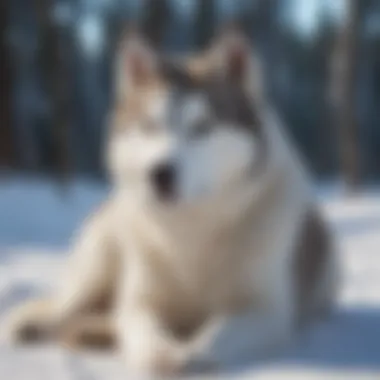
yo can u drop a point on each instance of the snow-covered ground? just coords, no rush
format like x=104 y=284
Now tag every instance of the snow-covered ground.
x=37 y=219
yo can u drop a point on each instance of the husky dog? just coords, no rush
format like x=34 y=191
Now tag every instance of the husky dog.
x=210 y=244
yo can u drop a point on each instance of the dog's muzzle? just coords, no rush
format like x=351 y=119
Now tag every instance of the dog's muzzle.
x=163 y=179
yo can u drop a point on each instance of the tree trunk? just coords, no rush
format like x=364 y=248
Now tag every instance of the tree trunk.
x=205 y=22
x=344 y=95
x=156 y=16
x=6 y=143
x=57 y=78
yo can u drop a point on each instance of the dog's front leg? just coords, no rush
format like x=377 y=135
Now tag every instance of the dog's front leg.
x=88 y=273
x=148 y=349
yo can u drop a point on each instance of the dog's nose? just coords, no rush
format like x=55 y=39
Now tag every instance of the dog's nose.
x=163 y=179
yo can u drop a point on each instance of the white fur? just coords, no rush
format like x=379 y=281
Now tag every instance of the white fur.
x=205 y=166
x=222 y=253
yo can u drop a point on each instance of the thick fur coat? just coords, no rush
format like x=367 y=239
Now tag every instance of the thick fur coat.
x=210 y=230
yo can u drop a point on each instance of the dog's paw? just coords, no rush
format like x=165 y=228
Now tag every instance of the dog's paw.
x=18 y=329
x=165 y=361
x=31 y=332
x=29 y=322
x=26 y=332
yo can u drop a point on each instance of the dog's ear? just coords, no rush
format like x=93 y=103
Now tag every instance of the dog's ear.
x=136 y=63
x=233 y=53
x=235 y=58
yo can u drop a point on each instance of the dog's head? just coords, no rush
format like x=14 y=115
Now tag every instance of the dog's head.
x=184 y=131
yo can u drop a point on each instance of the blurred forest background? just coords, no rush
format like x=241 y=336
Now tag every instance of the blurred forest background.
x=322 y=63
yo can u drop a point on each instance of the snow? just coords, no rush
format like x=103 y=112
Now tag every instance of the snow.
x=37 y=219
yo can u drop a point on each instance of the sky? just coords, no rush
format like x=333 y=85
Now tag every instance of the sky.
x=305 y=12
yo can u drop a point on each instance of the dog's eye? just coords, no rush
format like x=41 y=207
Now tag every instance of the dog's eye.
x=201 y=128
